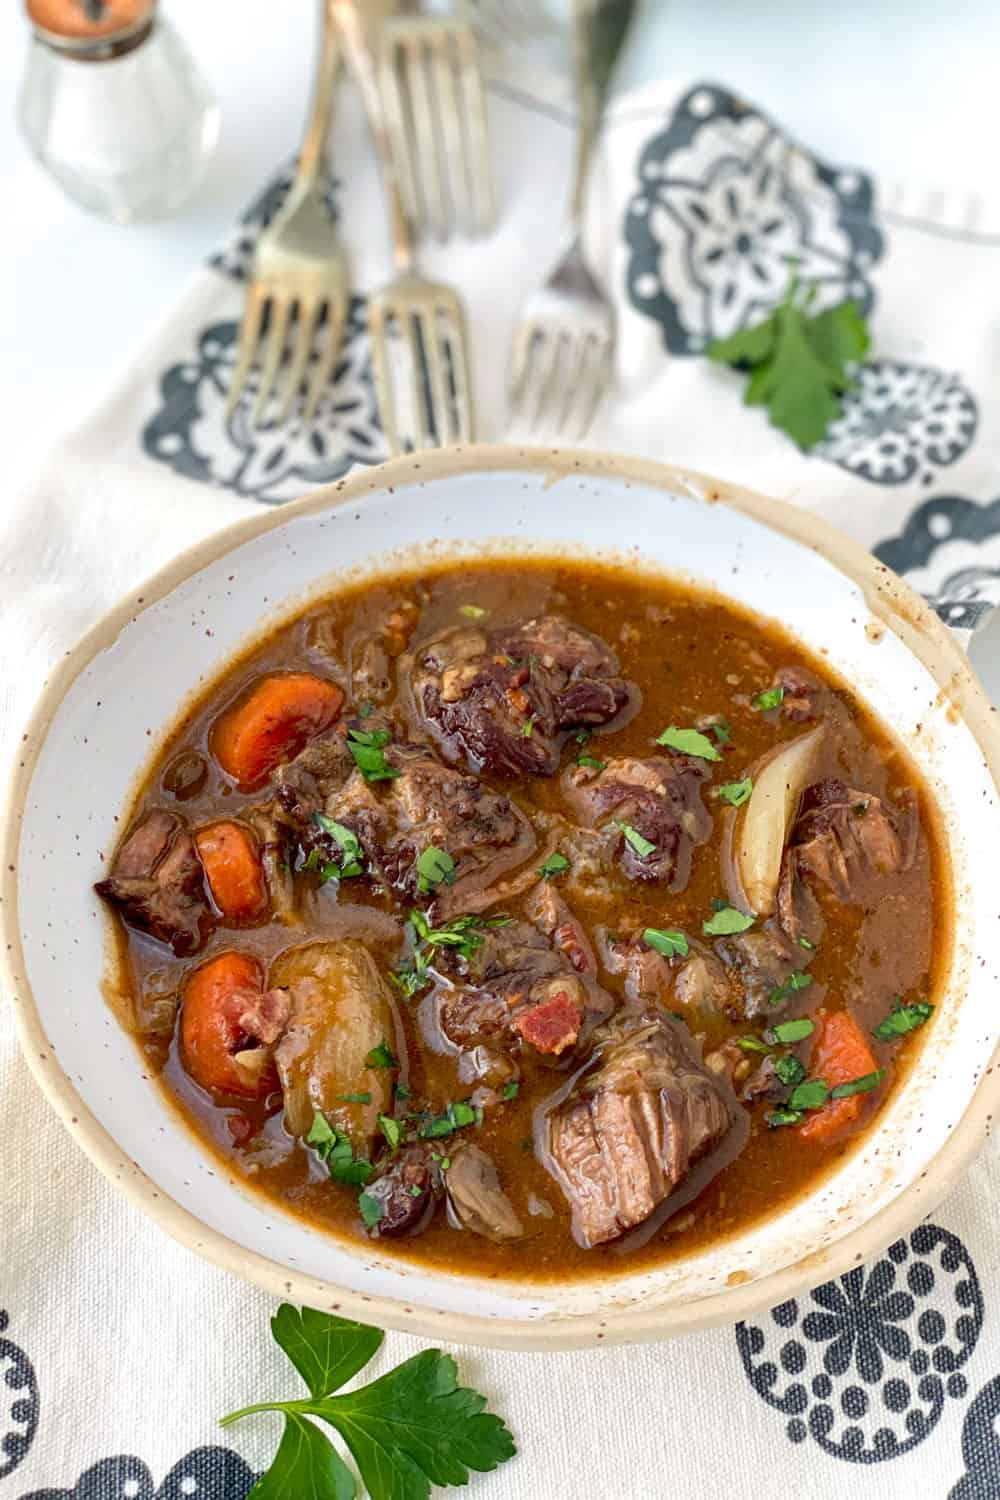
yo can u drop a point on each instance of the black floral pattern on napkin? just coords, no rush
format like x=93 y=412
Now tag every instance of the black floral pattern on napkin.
x=203 y=1474
x=18 y=1402
x=865 y=1365
x=949 y=550
x=902 y=422
x=981 y=1447
x=724 y=203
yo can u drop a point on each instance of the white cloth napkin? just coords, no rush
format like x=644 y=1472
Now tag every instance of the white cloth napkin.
x=118 y=1349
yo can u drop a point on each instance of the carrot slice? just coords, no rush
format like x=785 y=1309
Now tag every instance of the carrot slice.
x=228 y=853
x=840 y=1054
x=272 y=723
x=215 y=997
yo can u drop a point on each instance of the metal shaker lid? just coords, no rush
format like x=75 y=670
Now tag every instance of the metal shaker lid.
x=91 y=27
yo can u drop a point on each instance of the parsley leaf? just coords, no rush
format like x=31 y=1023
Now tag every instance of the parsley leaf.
x=369 y=756
x=392 y=1130
x=414 y=1427
x=751 y=1044
x=334 y=1148
x=371 y=1210
x=434 y=866
x=791 y=986
x=812 y=1094
x=723 y=731
x=770 y=698
x=725 y=921
x=798 y=362
x=863 y=1085
x=790 y=1031
x=779 y=1117
x=528 y=727
x=737 y=792
x=359 y=1098
x=634 y=838
x=347 y=842
x=688 y=742
x=666 y=940
x=591 y=761
x=789 y=1070
x=464 y=934
x=556 y=864
x=472 y=611
x=903 y=1018
x=381 y=1056
x=511 y=1090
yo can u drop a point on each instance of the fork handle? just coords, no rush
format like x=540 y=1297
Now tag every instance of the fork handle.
x=599 y=30
x=312 y=153
x=358 y=22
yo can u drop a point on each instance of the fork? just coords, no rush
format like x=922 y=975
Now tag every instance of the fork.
x=562 y=354
x=417 y=327
x=299 y=268
x=435 y=118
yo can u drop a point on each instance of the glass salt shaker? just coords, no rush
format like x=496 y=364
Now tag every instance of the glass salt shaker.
x=114 y=107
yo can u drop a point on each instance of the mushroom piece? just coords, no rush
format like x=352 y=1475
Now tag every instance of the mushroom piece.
x=475 y=1196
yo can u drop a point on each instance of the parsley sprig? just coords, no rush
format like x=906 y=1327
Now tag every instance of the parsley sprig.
x=464 y=934
x=798 y=362
x=413 y=1427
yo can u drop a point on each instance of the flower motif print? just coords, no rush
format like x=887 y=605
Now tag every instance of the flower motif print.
x=725 y=205
x=981 y=1447
x=902 y=422
x=949 y=550
x=203 y=1474
x=191 y=432
x=18 y=1402
x=865 y=1365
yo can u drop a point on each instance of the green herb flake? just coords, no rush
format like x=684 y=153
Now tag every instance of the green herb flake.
x=786 y=1032
x=902 y=1019
x=402 y=1092
x=347 y=842
x=462 y=1113
x=737 y=792
x=668 y=941
x=591 y=762
x=334 y=1149
x=472 y=611
x=812 y=1094
x=444 y=1162
x=779 y=1117
x=371 y=1210
x=511 y=1090
x=723 y=731
x=556 y=864
x=391 y=1130
x=366 y=746
x=798 y=362
x=528 y=728
x=770 y=698
x=751 y=1044
x=363 y=1097
x=790 y=1070
x=583 y=735
x=804 y=942
x=863 y=1085
x=688 y=742
x=381 y=1056
x=792 y=985
x=434 y=867
x=635 y=840
x=725 y=921
x=366 y=710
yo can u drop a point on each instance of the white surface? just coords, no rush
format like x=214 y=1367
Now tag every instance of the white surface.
x=904 y=87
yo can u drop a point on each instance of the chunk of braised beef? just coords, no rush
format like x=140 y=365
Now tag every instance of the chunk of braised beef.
x=655 y=802
x=506 y=699
x=157 y=882
x=636 y=1119
x=803 y=694
x=842 y=842
x=304 y=786
x=550 y=913
x=760 y=962
x=696 y=983
x=476 y=1201
x=407 y=1191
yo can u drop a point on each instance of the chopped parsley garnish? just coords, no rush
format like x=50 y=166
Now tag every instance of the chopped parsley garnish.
x=751 y=1044
x=863 y=1085
x=434 y=867
x=528 y=728
x=726 y=920
x=723 y=731
x=472 y=611
x=334 y=1148
x=371 y=1210
x=635 y=840
x=347 y=842
x=458 y=1114
x=412 y=1428
x=366 y=710
x=789 y=1069
x=591 y=761
x=326 y=869
x=804 y=942
x=402 y=1092
x=381 y=1056
x=903 y=1018
x=737 y=792
x=770 y=698
x=415 y=1191
x=464 y=934
x=666 y=940
x=511 y=1090
x=812 y=1094
x=790 y=1031
x=798 y=361
x=556 y=864
x=779 y=1117
x=688 y=742
x=366 y=745
x=792 y=985
x=362 y=1097
x=392 y=1130
x=583 y=735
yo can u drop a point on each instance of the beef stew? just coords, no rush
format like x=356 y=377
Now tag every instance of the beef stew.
x=523 y=914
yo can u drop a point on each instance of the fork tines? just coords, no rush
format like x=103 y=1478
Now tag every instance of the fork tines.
x=435 y=112
x=420 y=364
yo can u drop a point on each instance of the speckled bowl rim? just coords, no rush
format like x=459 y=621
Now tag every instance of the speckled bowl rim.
x=888 y=597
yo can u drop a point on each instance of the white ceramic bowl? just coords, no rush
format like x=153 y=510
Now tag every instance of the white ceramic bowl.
x=133 y=674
